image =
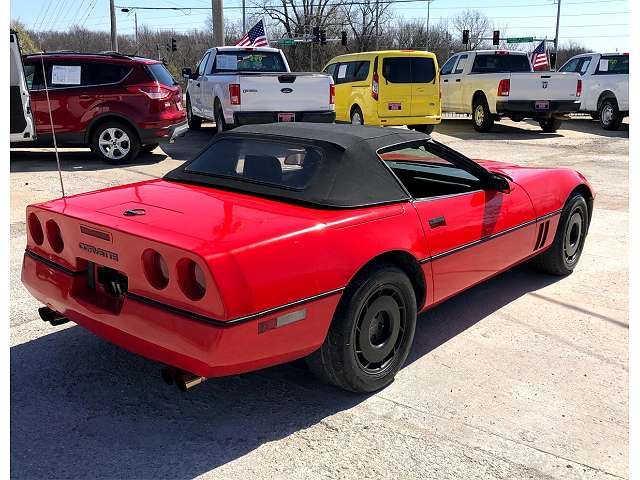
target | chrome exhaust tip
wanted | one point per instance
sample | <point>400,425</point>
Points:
<point>183,380</point>
<point>52,317</point>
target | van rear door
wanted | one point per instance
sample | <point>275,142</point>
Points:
<point>21,123</point>
<point>395,87</point>
<point>425,90</point>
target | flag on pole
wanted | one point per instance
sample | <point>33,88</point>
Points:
<point>539,58</point>
<point>256,37</point>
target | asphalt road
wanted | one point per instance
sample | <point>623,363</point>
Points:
<point>525,376</point>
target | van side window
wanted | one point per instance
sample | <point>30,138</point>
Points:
<point>356,71</point>
<point>361,71</point>
<point>447,68</point>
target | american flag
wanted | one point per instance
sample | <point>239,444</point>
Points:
<point>256,37</point>
<point>539,58</point>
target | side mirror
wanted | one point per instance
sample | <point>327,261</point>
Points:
<point>497,183</point>
<point>186,72</point>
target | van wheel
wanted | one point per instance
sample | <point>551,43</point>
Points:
<point>356,116</point>
<point>194,121</point>
<point>609,114</point>
<point>371,332</point>
<point>115,143</point>
<point>550,125</point>
<point>428,129</point>
<point>482,118</point>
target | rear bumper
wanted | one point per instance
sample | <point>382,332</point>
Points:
<point>250,118</point>
<point>528,108</point>
<point>411,120</point>
<point>163,134</point>
<point>172,337</point>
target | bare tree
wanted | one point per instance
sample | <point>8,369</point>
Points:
<point>568,50</point>
<point>478,25</point>
<point>360,23</point>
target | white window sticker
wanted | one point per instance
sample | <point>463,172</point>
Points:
<point>604,65</point>
<point>584,66</point>
<point>226,62</point>
<point>65,75</point>
<point>342,71</point>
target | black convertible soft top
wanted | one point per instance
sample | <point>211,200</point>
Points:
<point>349,172</point>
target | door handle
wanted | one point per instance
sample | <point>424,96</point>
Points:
<point>436,222</point>
<point>457,79</point>
<point>446,80</point>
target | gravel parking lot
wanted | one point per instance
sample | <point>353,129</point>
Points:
<point>525,376</point>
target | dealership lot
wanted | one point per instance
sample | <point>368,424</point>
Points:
<point>524,376</point>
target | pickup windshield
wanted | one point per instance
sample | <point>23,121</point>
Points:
<point>500,63</point>
<point>249,61</point>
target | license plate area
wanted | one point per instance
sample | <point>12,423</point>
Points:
<point>101,286</point>
<point>542,105</point>
<point>286,117</point>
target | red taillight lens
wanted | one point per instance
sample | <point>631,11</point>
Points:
<point>503,87</point>
<point>54,236</point>
<point>579,88</point>
<point>374,86</point>
<point>155,92</point>
<point>234,94</point>
<point>332,94</point>
<point>35,229</point>
<point>191,279</point>
<point>155,269</point>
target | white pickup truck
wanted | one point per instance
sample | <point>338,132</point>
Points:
<point>605,86</point>
<point>244,85</point>
<point>491,84</point>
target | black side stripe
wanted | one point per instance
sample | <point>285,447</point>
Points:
<point>52,264</point>
<point>544,233</point>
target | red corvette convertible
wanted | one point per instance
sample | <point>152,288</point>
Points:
<point>283,241</point>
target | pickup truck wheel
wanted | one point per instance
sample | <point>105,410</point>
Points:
<point>482,118</point>
<point>609,114</point>
<point>194,121</point>
<point>356,116</point>
<point>371,332</point>
<point>563,254</point>
<point>221,125</point>
<point>115,143</point>
<point>550,125</point>
<point>428,129</point>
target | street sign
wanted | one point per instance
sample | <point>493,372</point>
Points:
<point>286,41</point>
<point>519,39</point>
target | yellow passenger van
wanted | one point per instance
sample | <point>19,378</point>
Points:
<point>388,87</point>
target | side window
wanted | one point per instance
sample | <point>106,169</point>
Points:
<point>397,69</point>
<point>426,174</point>
<point>447,68</point>
<point>462,60</point>
<point>203,63</point>
<point>584,65</point>
<point>341,73</point>
<point>613,65</point>
<point>93,73</point>
<point>29,73</point>
<point>423,70</point>
<point>64,75</point>
<point>361,71</point>
<point>571,65</point>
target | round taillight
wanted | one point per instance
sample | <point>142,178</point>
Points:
<point>35,229</point>
<point>191,279</point>
<point>54,236</point>
<point>155,269</point>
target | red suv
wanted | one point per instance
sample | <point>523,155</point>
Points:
<point>116,104</point>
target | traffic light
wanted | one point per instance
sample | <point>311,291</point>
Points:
<point>496,37</point>
<point>465,37</point>
<point>344,39</point>
<point>323,37</point>
<point>174,47</point>
<point>316,34</point>
<point>552,60</point>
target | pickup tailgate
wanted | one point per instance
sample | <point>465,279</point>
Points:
<point>543,86</point>
<point>285,92</point>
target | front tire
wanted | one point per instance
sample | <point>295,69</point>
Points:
<point>371,332</point>
<point>563,254</point>
<point>115,143</point>
<point>550,125</point>
<point>609,114</point>
<point>195,122</point>
<point>482,118</point>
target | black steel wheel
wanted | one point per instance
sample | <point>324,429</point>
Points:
<point>371,332</point>
<point>550,125</point>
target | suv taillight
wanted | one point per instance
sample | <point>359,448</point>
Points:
<point>374,86</point>
<point>234,94</point>
<point>579,88</point>
<point>503,87</point>
<point>332,94</point>
<point>155,92</point>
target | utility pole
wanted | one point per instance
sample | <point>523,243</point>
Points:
<point>244,18</point>
<point>555,41</point>
<point>114,33</point>
<point>428,5</point>
<point>377,20</point>
<point>218,22</point>
<point>135,20</point>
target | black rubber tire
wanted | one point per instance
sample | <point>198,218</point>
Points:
<point>356,110</point>
<point>194,121</point>
<point>555,260</point>
<point>428,129</point>
<point>550,125</point>
<point>149,147</point>
<point>487,118</point>
<point>134,141</point>
<point>614,122</point>
<point>595,116</point>
<point>337,362</point>
<point>221,125</point>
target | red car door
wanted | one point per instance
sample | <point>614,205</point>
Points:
<point>473,232</point>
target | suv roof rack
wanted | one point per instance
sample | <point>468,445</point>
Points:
<point>74,52</point>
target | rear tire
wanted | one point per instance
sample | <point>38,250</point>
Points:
<point>371,332</point>
<point>550,125</point>
<point>221,125</point>
<point>428,129</point>
<point>115,143</point>
<point>609,114</point>
<point>482,118</point>
<point>563,254</point>
<point>356,116</point>
<point>195,122</point>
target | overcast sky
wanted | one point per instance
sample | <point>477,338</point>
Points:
<point>602,25</point>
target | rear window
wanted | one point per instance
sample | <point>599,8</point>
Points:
<point>613,65</point>
<point>249,61</point>
<point>500,64</point>
<point>161,74</point>
<point>285,165</point>
<point>408,69</point>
